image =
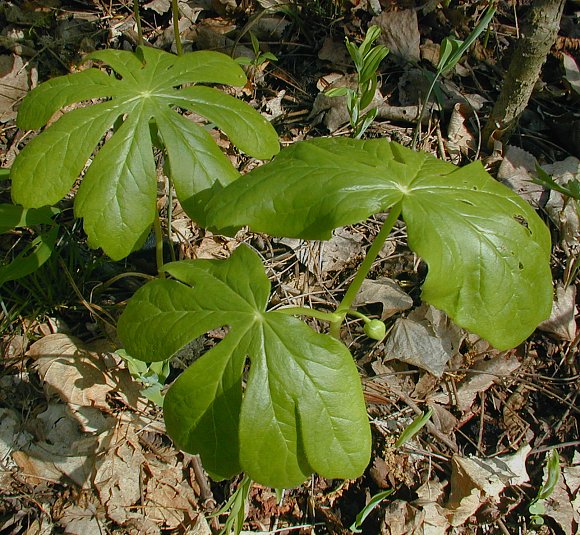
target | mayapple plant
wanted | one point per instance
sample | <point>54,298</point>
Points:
<point>276,399</point>
<point>117,196</point>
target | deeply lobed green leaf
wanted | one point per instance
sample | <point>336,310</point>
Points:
<point>117,197</point>
<point>302,410</point>
<point>487,250</point>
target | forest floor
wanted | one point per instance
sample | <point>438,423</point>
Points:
<point>83,448</point>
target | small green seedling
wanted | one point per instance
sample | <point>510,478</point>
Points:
<point>151,374</point>
<point>235,508</point>
<point>276,399</point>
<point>366,59</point>
<point>117,197</point>
<point>368,509</point>
<point>536,507</point>
<point>571,189</point>
<point>260,58</point>
<point>450,52</point>
<point>413,428</point>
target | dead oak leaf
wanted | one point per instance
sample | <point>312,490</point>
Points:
<point>80,377</point>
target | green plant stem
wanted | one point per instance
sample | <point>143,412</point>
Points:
<point>158,245</point>
<point>175,15</point>
<point>311,312</point>
<point>359,315</point>
<point>138,22</point>
<point>364,269</point>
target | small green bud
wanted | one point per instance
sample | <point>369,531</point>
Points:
<point>375,329</point>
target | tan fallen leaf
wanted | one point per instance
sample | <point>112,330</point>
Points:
<point>426,339</point>
<point>59,449</point>
<point>572,73</point>
<point>117,477</point>
<point>564,214</point>
<point>516,171</point>
<point>562,320</point>
<point>416,344</point>
<point>401,518</point>
<point>474,480</point>
<point>79,376</point>
<point>429,498</point>
<point>460,139</point>
<point>85,520</point>
<point>386,292</point>
<point>15,82</point>
<point>400,33</point>
<point>168,500</point>
<point>479,378</point>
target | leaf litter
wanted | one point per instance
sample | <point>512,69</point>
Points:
<point>88,426</point>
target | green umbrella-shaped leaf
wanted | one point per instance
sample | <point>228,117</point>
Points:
<point>118,201</point>
<point>487,250</point>
<point>302,410</point>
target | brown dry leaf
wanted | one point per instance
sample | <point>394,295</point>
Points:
<point>562,321</point>
<point>15,82</point>
<point>572,74</point>
<point>479,379</point>
<point>85,520</point>
<point>12,436</point>
<point>516,171</point>
<point>169,501</point>
<point>212,247</point>
<point>400,33</point>
<point>133,483</point>
<point>416,344</point>
<point>273,4</point>
<point>571,476</point>
<point>475,480</point>
<point>564,214</point>
<point>80,375</point>
<point>460,140</point>
<point>118,473</point>
<point>427,338</point>
<point>401,518</point>
<point>320,258</point>
<point>385,291</point>
<point>429,497</point>
<point>61,448</point>
<point>68,370</point>
<point>430,52</point>
<point>336,54</point>
<point>442,419</point>
<point>159,6</point>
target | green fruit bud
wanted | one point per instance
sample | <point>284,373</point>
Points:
<point>375,329</point>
